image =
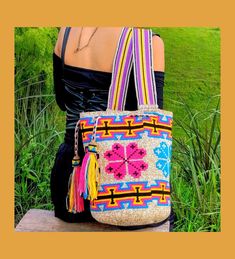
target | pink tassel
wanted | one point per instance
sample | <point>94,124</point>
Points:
<point>83,176</point>
<point>79,201</point>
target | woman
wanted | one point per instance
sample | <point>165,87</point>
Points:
<point>81,84</point>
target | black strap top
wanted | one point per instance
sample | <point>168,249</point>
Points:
<point>80,89</point>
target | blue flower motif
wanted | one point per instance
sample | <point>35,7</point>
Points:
<point>163,153</point>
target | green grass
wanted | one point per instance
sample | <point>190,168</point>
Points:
<point>192,65</point>
<point>191,91</point>
<point>196,172</point>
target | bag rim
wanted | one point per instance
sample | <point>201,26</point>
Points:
<point>110,112</point>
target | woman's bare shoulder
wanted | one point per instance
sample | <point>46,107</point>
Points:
<point>59,41</point>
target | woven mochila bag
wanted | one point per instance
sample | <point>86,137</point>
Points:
<point>125,172</point>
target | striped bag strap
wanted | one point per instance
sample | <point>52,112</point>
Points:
<point>135,42</point>
<point>143,68</point>
<point>123,61</point>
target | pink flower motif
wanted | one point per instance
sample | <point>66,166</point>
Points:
<point>123,160</point>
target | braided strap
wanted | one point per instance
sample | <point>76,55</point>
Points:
<point>93,138</point>
<point>76,135</point>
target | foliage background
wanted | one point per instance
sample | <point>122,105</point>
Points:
<point>191,91</point>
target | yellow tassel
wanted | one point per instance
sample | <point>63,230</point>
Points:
<point>92,177</point>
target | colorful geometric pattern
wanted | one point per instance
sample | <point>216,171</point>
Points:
<point>127,127</point>
<point>131,195</point>
<point>123,160</point>
<point>163,153</point>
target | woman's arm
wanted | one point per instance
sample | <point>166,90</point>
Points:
<point>57,72</point>
<point>159,67</point>
<point>58,45</point>
<point>158,54</point>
